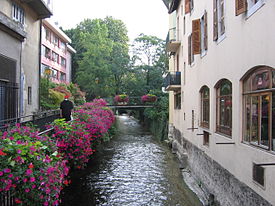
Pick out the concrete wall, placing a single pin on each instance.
(248, 42)
(30, 61)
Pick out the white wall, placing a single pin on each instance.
(249, 42)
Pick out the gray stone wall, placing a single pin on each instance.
(213, 178)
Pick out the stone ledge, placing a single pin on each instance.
(11, 27)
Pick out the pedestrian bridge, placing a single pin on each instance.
(130, 106)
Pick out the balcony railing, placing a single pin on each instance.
(172, 81)
(172, 42)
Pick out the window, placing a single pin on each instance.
(205, 106)
(178, 101)
(199, 35)
(54, 74)
(224, 107)
(258, 174)
(259, 108)
(204, 35)
(46, 52)
(55, 57)
(205, 138)
(62, 76)
(44, 69)
(63, 46)
(55, 40)
(189, 5)
(63, 62)
(18, 13)
(48, 34)
(29, 95)
(218, 21)
(249, 6)
(190, 50)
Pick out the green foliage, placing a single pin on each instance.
(102, 56)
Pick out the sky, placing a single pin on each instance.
(140, 16)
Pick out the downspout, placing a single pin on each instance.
(21, 83)
(39, 72)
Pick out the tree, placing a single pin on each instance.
(102, 56)
(150, 57)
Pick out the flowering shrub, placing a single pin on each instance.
(31, 167)
(149, 98)
(121, 98)
(75, 140)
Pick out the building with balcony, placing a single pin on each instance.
(55, 53)
(20, 24)
(223, 112)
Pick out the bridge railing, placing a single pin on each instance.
(133, 100)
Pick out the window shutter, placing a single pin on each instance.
(196, 36)
(187, 6)
(241, 6)
(215, 21)
(205, 31)
(189, 49)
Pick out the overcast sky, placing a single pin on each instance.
(140, 16)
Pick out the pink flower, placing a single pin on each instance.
(7, 170)
(32, 179)
(1, 173)
(27, 190)
(28, 172)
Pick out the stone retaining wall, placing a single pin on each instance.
(221, 185)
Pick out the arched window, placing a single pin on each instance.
(259, 107)
(224, 107)
(205, 106)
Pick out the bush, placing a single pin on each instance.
(76, 139)
(31, 167)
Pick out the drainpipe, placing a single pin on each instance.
(21, 83)
(39, 72)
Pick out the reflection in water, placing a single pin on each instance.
(133, 170)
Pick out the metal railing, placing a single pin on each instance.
(39, 119)
(172, 78)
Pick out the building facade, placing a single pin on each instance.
(223, 106)
(55, 53)
(20, 25)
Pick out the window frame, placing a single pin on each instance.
(248, 95)
(177, 101)
(18, 13)
(220, 33)
(251, 9)
(204, 123)
(223, 129)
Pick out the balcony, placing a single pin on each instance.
(172, 81)
(42, 8)
(172, 43)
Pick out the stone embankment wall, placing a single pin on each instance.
(222, 187)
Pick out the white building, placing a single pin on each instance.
(223, 105)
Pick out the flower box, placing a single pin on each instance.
(149, 98)
(121, 99)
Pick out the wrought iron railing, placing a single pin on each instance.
(172, 78)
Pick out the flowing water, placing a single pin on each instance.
(132, 169)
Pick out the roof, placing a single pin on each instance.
(71, 49)
(57, 31)
(173, 6)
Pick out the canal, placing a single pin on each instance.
(133, 169)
